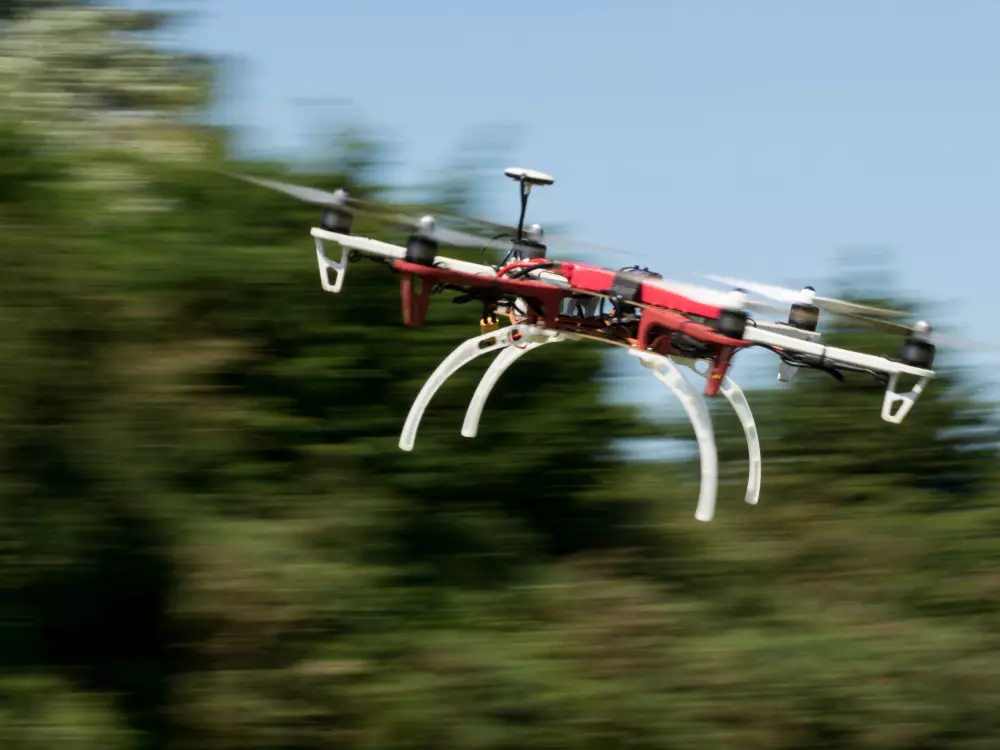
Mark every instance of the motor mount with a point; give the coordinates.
(531, 246)
(336, 217)
(918, 351)
(732, 323)
(804, 317)
(421, 246)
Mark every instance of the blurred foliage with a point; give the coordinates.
(210, 540)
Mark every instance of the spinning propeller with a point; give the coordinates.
(807, 296)
(801, 306)
(339, 209)
(922, 331)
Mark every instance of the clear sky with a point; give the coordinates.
(752, 139)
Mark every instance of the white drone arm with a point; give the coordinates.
(668, 372)
(834, 355)
(387, 251)
(787, 370)
(347, 242)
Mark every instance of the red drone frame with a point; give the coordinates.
(664, 312)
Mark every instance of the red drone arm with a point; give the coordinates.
(654, 320)
(598, 279)
(415, 308)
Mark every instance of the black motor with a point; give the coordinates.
(732, 323)
(918, 351)
(803, 316)
(336, 216)
(421, 247)
(336, 220)
(531, 246)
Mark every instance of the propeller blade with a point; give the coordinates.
(886, 326)
(708, 296)
(777, 293)
(458, 239)
(843, 307)
(301, 192)
(947, 341)
(453, 216)
(731, 300)
(492, 226)
(548, 239)
(444, 235)
(555, 239)
(942, 340)
(792, 296)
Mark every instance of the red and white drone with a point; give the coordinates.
(667, 325)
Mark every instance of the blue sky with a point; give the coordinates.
(749, 139)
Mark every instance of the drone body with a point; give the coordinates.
(666, 325)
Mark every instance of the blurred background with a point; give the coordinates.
(209, 538)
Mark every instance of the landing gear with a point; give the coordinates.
(515, 341)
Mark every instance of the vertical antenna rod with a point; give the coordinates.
(527, 178)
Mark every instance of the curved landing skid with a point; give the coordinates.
(669, 373)
(517, 340)
(735, 396)
(507, 357)
(462, 355)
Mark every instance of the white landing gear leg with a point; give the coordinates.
(735, 396)
(463, 354)
(741, 406)
(507, 357)
(904, 401)
(694, 404)
(326, 265)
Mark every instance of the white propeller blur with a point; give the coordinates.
(806, 296)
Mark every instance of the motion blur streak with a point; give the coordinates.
(210, 540)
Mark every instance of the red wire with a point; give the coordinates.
(520, 264)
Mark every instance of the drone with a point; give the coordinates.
(669, 326)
